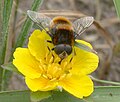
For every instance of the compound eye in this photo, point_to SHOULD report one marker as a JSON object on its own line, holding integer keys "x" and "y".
{"x": 68, "y": 49}
{"x": 59, "y": 49}
{"x": 63, "y": 48}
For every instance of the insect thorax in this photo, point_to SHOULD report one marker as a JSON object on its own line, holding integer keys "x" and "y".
{"x": 63, "y": 36}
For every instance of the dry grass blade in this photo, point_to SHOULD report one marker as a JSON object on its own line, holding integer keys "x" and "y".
{"x": 104, "y": 33}
{"x": 70, "y": 15}
{"x": 110, "y": 22}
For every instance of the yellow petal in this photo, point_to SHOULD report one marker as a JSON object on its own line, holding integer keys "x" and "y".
{"x": 38, "y": 44}
{"x": 26, "y": 63}
{"x": 84, "y": 62}
{"x": 78, "y": 86}
{"x": 84, "y": 42}
{"x": 40, "y": 84}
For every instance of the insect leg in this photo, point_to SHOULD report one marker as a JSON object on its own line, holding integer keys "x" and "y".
{"x": 49, "y": 41}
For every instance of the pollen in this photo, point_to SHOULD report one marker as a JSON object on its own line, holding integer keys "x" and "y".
{"x": 52, "y": 70}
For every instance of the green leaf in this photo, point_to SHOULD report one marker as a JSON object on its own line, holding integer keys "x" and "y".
{"x": 100, "y": 94}
{"x": 1, "y": 70}
{"x": 117, "y": 6}
{"x": 15, "y": 96}
{"x": 27, "y": 26}
{"x": 6, "y": 12}
{"x": 21, "y": 39}
{"x": 0, "y": 18}
{"x": 63, "y": 96}
{"x": 6, "y": 15}
{"x": 10, "y": 67}
{"x": 39, "y": 95}
{"x": 105, "y": 94}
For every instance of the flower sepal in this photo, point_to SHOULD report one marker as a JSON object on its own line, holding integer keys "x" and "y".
{"x": 40, "y": 95}
{"x": 54, "y": 96}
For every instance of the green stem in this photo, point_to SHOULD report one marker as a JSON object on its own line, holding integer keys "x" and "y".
{"x": 1, "y": 70}
{"x": 20, "y": 41}
{"x": 25, "y": 28}
{"x": 27, "y": 25}
{"x": 117, "y": 6}
{"x": 4, "y": 35}
{"x": 104, "y": 81}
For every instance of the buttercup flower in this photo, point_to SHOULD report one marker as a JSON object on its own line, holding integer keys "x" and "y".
{"x": 44, "y": 70}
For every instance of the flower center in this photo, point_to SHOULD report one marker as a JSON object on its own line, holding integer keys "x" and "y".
{"x": 54, "y": 69}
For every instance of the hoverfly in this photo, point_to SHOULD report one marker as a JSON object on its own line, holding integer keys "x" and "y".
{"x": 62, "y": 31}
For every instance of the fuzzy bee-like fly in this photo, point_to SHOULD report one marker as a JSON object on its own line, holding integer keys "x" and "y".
{"x": 62, "y": 31}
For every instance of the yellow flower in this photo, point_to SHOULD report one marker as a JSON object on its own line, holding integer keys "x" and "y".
{"x": 43, "y": 70}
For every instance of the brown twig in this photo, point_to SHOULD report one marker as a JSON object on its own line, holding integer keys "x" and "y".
{"x": 20, "y": 22}
{"x": 98, "y": 10}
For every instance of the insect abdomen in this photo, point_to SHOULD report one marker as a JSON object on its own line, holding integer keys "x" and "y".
{"x": 63, "y": 36}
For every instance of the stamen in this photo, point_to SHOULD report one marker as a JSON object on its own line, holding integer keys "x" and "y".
{"x": 49, "y": 76}
{"x": 56, "y": 69}
{"x": 51, "y": 59}
{"x": 44, "y": 68}
{"x": 65, "y": 64}
{"x": 45, "y": 76}
{"x": 62, "y": 77}
{"x": 41, "y": 68}
{"x": 53, "y": 79}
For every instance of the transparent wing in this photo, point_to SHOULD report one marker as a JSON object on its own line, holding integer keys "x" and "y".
{"x": 84, "y": 47}
{"x": 41, "y": 20}
{"x": 80, "y": 25}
